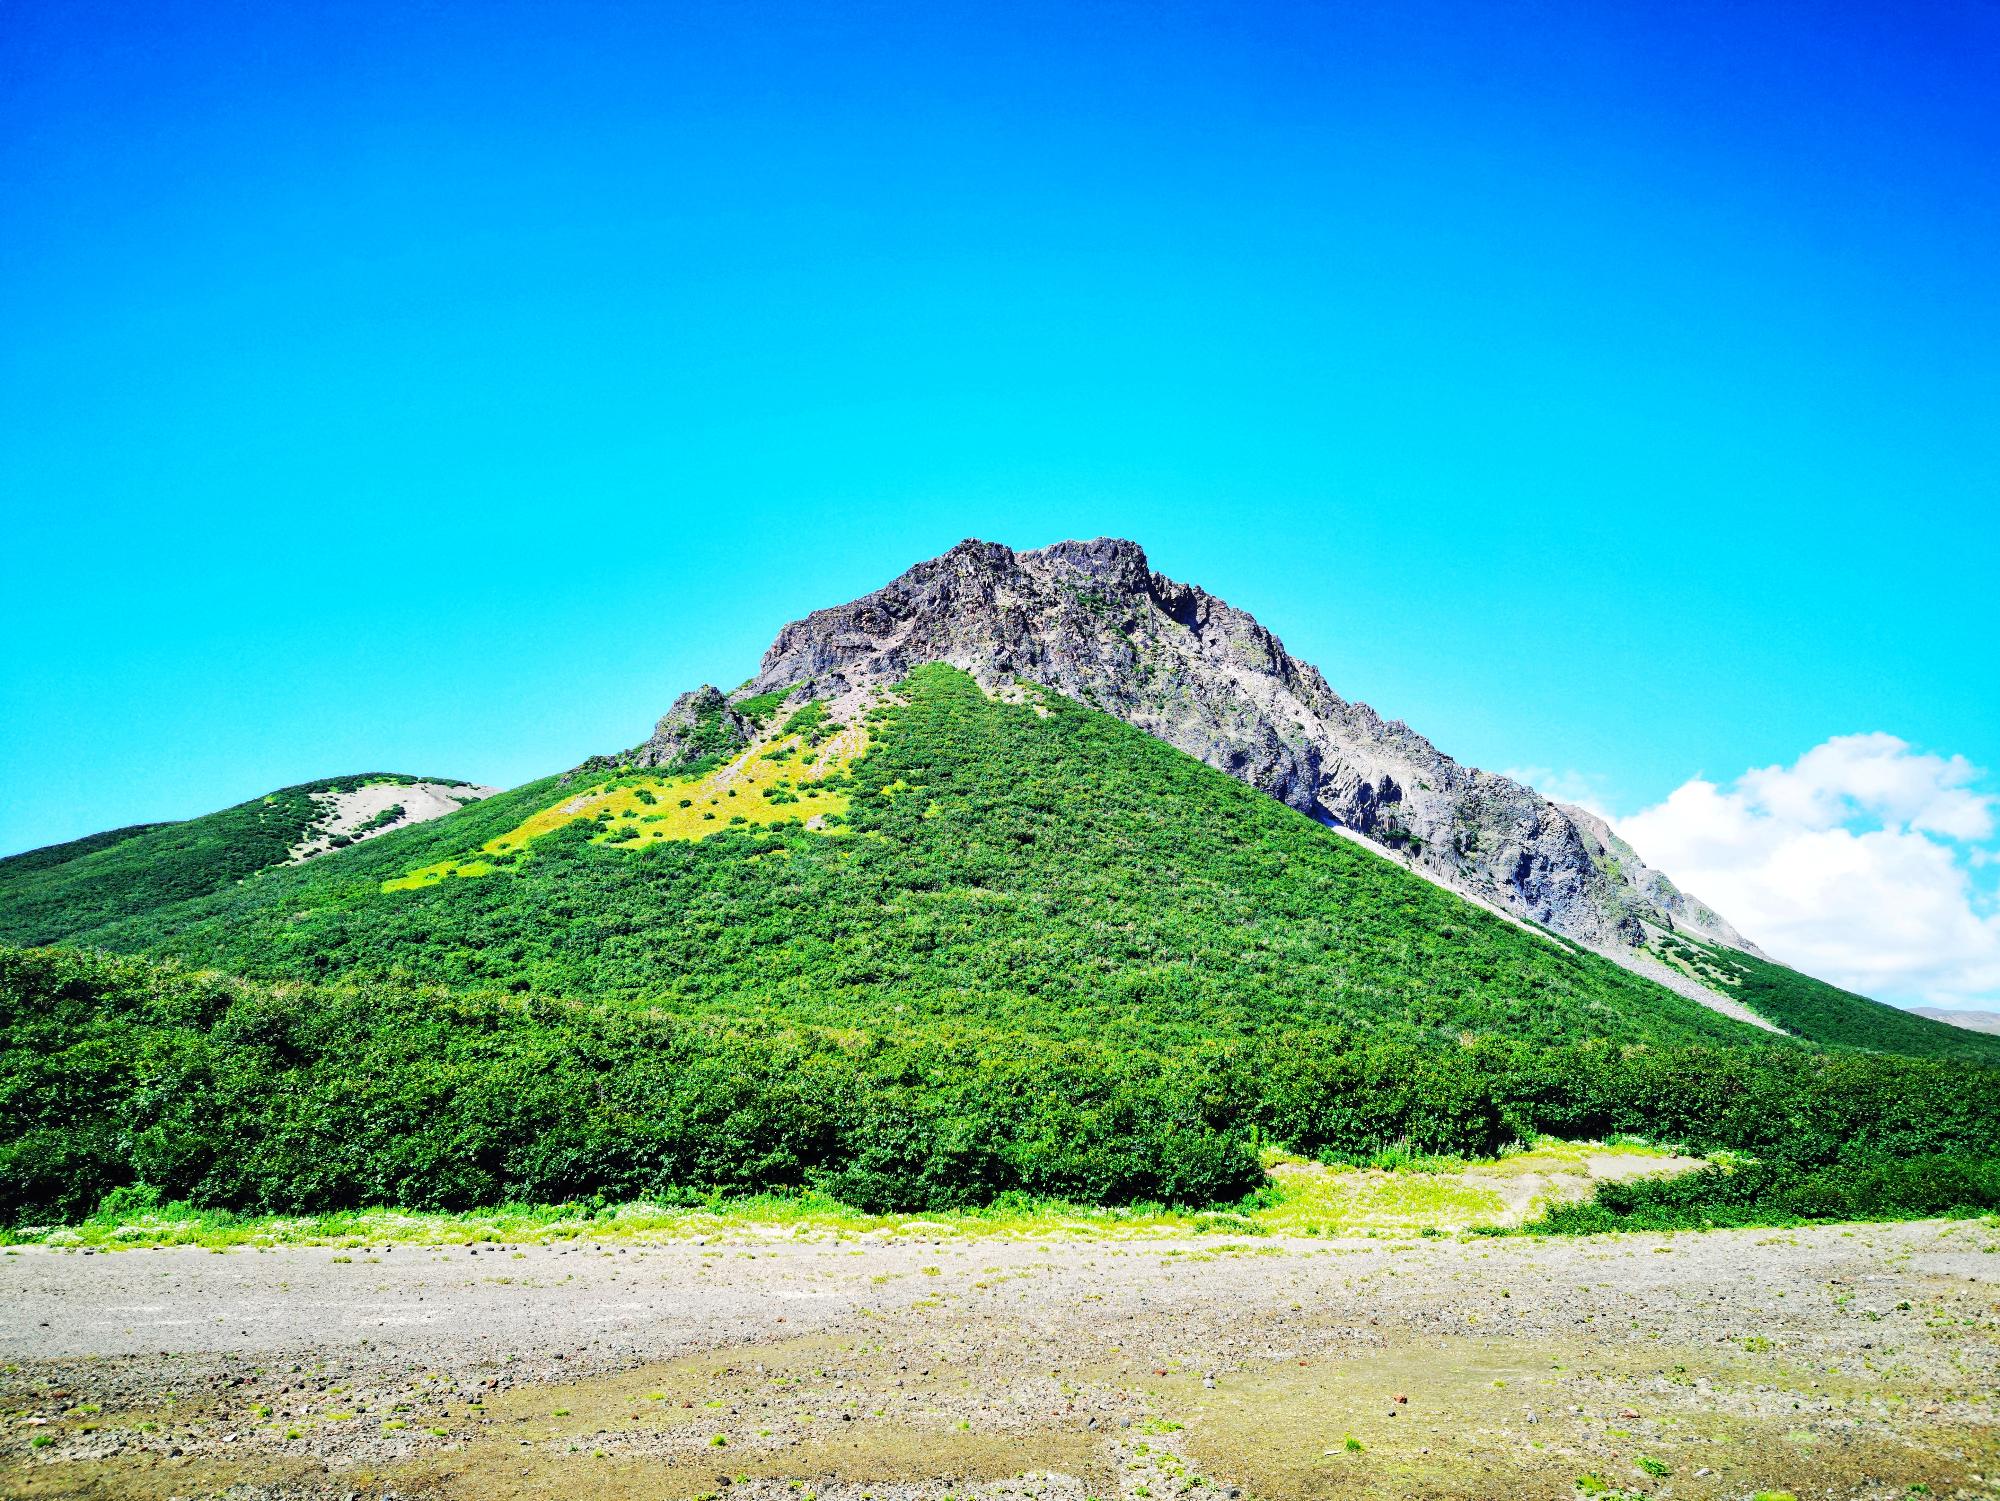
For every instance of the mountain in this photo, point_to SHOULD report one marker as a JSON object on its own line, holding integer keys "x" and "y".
{"x": 1091, "y": 620}
{"x": 949, "y": 947}
{"x": 1094, "y": 622}
{"x": 50, "y": 894}
{"x": 928, "y": 851}
{"x": 1972, "y": 1021}
{"x": 960, "y": 798}
{"x": 920, "y": 934}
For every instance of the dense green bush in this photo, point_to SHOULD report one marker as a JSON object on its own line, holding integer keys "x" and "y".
{"x": 16, "y": 867}
{"x": 1781, "y": 1191}
{"x": 1327, "y": 1093}
{"x": 236, "y": 1095}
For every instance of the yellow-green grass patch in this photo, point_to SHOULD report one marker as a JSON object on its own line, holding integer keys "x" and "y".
{"x": 768, "y": 783}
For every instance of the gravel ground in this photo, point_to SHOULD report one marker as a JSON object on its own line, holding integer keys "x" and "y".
{"x": 1834, "y": 1361}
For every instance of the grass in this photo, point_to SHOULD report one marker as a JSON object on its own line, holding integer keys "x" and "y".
{"x": 1303, "y": 1199}
{"x": 775, "y": 780}
{"x": 1330, "y": 1201}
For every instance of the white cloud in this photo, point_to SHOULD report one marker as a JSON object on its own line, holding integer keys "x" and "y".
{"x": 1875, "y": 776}
{"x": 1855, "y": 863}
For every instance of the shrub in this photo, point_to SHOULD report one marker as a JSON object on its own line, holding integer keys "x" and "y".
{"x": 132, "y": 1080}
{"x": 1776, "y": 1192}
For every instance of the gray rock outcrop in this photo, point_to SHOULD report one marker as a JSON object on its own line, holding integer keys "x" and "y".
{"x": 1092, "y": 621}
{"x": 700, "y": 723}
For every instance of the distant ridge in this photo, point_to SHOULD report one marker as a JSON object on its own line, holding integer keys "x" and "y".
{"x": 61, "y": 891}
{"x": 1971, "y": 1021}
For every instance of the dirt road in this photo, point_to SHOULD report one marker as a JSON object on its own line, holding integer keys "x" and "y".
{"x": 1858, "y": 1361}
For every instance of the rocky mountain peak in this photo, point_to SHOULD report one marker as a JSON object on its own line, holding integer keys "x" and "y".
{"x": 1092, "y": 620}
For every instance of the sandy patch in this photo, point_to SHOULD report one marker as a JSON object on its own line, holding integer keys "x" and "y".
{"x": 351, "y": 813}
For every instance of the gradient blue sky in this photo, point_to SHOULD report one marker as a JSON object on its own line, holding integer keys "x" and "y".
{"x": 1612, "y": 389}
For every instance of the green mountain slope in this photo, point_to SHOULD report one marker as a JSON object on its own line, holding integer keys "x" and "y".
{"x": 918, "y": 950}
{"x": 1036, "y": 867}
{"x": 58, "y": 893}
{"x": 17, "y": 867}
{"x": 1030, "y": 865}
{"x": 1825, "y": 1013}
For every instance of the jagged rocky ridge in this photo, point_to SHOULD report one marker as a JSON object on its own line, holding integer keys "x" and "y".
{"x": 1091, "y": 620}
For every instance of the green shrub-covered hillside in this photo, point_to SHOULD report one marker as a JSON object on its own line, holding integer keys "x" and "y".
{"x": 1037, "y": 868}
{"x": 1825, "y": 1013}
{"x": 67, "y": 890}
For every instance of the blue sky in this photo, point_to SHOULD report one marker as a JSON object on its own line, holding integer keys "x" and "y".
{"x": 1606, "y": 390}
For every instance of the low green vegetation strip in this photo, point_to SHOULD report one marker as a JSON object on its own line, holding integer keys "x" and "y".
{"x": 253, "y": 1098}
{"x": 1395, "y": 1195}
{"x": 1825, "y": 1013}
{"x": 1788, "y": 1189}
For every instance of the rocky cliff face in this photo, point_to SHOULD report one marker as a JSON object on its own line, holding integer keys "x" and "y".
{"x": 700, "y": 723}
{"x": 1091, "y": 620}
